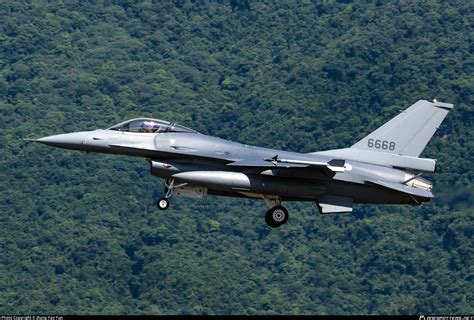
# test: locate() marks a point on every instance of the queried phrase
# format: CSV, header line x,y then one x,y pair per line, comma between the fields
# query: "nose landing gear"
x,y
164,203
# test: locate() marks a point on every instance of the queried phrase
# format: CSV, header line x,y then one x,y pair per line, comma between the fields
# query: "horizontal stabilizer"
x,y
334,204
382,159
402,188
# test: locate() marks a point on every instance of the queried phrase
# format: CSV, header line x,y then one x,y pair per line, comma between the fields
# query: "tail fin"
x,y
409,132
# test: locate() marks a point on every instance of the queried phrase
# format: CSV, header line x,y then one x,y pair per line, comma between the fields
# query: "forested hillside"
x,y
80,232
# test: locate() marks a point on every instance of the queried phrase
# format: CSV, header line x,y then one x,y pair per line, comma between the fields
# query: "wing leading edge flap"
x,y
402,188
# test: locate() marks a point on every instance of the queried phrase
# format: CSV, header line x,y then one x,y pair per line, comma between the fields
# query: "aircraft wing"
x,y
257,163
334,165
402,188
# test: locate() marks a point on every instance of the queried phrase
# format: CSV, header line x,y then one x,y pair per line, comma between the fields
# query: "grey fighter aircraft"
x,y
382,168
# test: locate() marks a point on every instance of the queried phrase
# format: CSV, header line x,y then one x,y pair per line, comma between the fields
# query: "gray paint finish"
x,y
378,169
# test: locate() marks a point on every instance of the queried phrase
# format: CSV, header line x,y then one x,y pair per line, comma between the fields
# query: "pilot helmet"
x,y
150,125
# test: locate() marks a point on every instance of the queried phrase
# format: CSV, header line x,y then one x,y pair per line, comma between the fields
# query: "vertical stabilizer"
x,y
409,132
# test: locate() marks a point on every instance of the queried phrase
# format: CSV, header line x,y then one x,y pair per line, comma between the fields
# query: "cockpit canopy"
x,y
149,125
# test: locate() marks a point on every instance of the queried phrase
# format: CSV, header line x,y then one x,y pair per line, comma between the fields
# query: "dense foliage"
x,y
80,233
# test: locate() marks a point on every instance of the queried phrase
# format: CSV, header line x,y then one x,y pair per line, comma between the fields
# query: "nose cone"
x,y
73,140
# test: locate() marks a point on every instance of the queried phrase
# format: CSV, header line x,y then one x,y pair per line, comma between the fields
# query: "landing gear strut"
x,y
164,203
277,215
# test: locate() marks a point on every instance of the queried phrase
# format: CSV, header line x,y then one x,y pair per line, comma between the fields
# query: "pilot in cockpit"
x,y
150,126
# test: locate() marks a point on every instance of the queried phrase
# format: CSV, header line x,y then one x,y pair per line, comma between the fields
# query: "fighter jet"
x,y
382,168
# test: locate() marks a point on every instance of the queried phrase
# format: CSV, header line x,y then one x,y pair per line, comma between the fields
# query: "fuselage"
x,y
378,169
199,159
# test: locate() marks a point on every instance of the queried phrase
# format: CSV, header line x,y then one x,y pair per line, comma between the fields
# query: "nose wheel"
x,y
163,203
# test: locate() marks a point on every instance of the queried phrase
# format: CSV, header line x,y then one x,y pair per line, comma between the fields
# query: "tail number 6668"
x,y
381,144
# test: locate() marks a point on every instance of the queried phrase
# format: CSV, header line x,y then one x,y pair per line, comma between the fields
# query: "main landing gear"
x,y
277,215
164,203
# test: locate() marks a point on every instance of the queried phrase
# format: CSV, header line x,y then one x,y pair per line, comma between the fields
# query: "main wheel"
x,y
163,204
276,216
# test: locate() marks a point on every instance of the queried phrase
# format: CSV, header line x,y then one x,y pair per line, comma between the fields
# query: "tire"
x,y
163,204
276,216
